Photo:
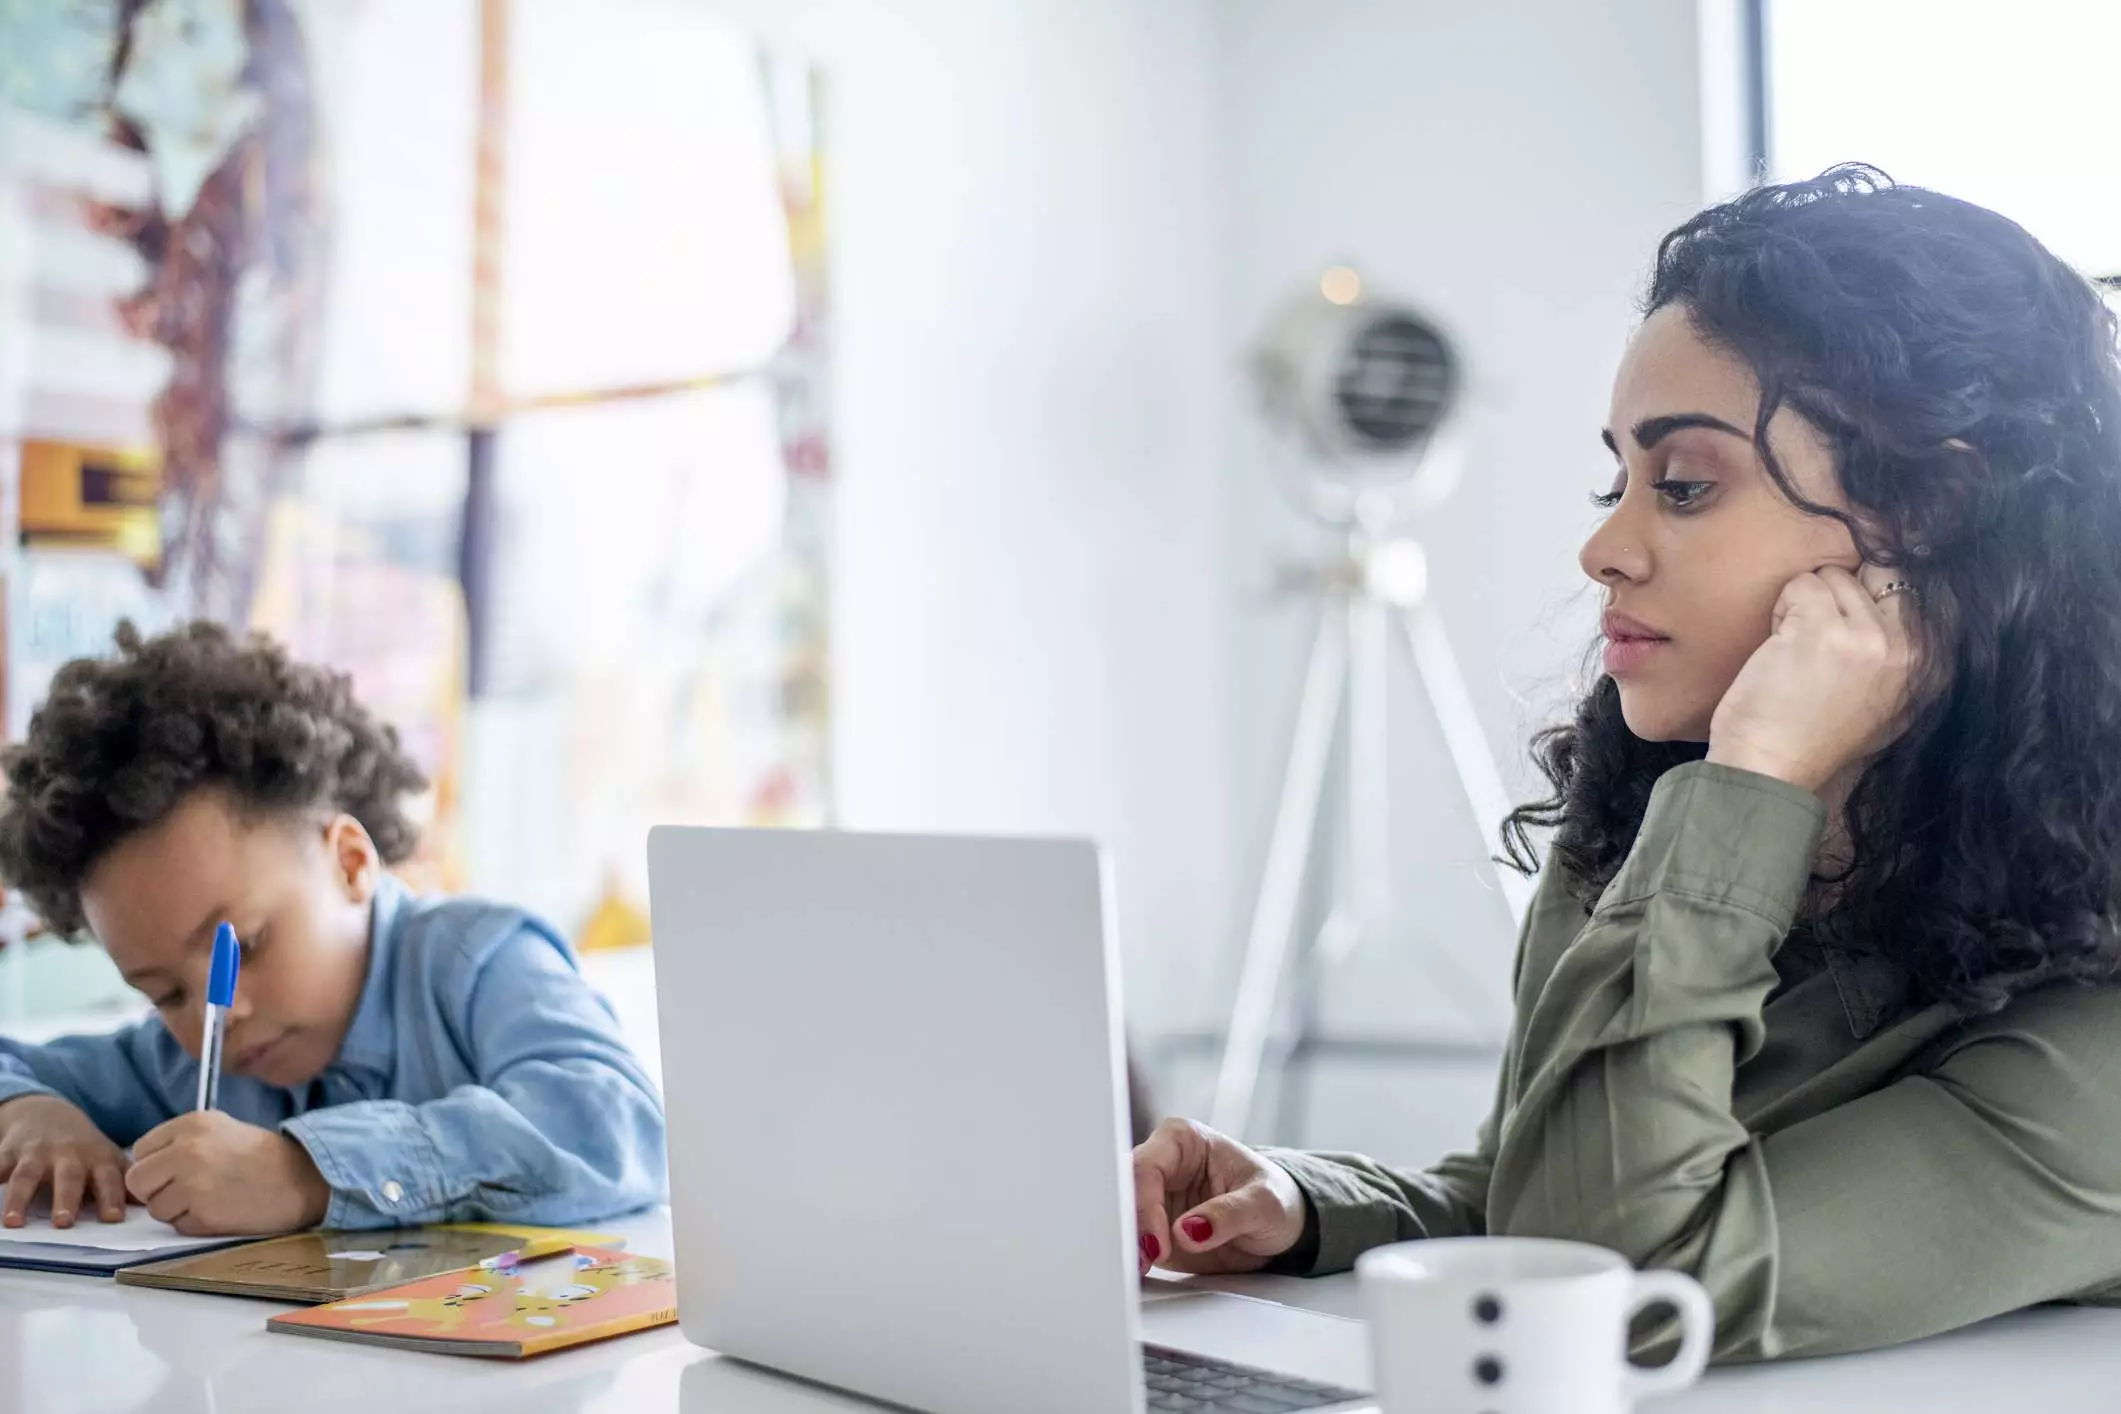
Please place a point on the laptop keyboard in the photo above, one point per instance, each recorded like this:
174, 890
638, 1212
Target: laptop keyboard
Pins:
1195, 1384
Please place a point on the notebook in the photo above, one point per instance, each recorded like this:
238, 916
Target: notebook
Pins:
504, 1309
97, 1248
306, 1268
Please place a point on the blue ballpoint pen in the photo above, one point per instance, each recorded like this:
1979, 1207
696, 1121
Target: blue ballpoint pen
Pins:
220, 994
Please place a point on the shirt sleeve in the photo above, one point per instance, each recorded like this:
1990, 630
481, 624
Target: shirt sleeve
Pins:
115, 1079
1353, 1203
1985, 1179
563, 1126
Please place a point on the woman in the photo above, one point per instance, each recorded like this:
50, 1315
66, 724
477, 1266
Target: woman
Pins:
1812, 1001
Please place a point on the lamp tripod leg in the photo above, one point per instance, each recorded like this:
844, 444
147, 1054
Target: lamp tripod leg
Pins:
1271, 936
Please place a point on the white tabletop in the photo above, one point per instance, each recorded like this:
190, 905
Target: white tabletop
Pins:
85, 1345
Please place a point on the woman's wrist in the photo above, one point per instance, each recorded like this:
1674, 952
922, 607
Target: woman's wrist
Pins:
1781, 768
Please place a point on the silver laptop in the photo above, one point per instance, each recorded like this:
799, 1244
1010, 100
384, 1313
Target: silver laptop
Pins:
899, 1161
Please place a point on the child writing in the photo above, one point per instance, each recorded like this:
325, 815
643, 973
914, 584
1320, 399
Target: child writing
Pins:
390, 1059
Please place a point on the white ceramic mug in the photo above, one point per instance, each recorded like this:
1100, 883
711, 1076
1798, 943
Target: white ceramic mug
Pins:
1520, 1325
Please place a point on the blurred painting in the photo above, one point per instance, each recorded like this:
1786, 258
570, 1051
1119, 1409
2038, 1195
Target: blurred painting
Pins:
479, 347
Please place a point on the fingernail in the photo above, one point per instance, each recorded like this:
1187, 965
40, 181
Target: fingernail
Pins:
1198, 1228
61, 1217
1151, 1248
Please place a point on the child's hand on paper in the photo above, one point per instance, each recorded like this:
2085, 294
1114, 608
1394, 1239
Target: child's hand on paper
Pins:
46, 1141
206, 1174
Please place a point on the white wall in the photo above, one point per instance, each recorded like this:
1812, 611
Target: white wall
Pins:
1057, 222
1029, 516
1508, 168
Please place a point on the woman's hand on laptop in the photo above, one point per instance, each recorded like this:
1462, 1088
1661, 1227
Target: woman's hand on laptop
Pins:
1206, 1203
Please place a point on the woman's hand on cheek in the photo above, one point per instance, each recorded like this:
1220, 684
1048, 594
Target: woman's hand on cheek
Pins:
207, 1174
1829, 688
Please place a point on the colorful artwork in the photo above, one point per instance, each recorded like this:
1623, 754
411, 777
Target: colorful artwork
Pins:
656, 630
478, 347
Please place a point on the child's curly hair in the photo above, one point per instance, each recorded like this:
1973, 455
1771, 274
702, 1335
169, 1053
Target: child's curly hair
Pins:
121, 740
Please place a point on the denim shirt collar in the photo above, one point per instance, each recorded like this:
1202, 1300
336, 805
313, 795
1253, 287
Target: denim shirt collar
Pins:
371, 1041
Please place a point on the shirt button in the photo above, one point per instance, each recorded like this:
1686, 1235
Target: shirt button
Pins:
393, 1191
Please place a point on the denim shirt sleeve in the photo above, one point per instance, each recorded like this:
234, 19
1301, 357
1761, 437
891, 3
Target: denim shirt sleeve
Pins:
563, 1126
114, 1079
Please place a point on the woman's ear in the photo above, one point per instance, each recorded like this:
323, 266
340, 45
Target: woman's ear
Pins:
356, 866
1961, 485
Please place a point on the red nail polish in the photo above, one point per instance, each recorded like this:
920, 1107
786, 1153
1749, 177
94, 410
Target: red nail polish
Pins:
1198, 1228
1151, 1248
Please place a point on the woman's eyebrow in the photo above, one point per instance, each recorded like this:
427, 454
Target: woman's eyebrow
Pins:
1653, 431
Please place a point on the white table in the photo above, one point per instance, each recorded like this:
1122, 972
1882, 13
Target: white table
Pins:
85, 1345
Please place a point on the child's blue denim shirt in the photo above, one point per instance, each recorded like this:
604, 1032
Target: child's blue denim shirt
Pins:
481, 1079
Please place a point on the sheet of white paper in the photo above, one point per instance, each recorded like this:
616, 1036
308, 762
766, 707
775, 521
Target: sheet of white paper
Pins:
138, 1233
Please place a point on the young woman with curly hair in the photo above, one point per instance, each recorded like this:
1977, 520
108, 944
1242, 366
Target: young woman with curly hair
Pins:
1815, 998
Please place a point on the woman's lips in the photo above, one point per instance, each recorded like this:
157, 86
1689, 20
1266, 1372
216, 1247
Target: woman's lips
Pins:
1629, 642
1626, 655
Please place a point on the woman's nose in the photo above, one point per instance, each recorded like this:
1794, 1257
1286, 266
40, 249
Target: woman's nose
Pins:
1613, 554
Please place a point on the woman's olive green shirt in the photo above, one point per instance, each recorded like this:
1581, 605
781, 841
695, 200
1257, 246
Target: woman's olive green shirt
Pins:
1840, 1168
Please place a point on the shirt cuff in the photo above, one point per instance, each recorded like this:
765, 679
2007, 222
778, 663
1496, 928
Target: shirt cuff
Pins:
1725, 835
1343, 1218
379, 1161
14, 1087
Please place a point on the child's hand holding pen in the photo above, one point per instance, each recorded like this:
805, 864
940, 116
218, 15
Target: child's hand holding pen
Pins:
207, 1174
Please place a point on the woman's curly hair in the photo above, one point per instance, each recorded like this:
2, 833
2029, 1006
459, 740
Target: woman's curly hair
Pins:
1967, 382
121, 740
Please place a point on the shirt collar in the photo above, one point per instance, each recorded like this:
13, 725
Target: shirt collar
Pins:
1873, 988
371, 1041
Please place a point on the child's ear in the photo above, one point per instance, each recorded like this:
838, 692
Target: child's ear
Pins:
353, 856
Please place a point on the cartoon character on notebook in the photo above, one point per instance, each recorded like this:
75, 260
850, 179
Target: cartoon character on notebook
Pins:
442, 1313
595, 1275
611, 1271
540, 1310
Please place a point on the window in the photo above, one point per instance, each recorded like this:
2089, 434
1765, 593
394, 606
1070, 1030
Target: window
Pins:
2009, 105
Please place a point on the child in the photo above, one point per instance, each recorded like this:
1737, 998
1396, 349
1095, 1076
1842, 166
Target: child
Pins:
391, 1060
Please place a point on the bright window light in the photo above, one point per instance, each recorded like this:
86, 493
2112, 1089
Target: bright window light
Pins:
2011, 106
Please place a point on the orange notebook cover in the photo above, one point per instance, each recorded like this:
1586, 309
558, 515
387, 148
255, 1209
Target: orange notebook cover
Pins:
504, 1309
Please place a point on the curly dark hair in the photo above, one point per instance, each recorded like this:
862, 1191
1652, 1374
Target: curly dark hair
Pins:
121, 740
1966, 380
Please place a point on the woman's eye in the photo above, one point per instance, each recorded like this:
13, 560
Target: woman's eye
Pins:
1605, 500
1681, 494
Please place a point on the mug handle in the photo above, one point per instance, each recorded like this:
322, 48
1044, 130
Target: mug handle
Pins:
1697, 1321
